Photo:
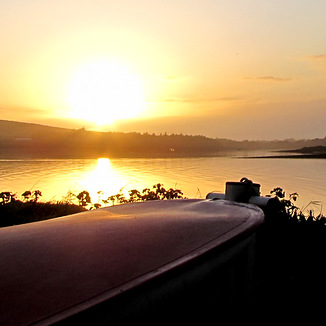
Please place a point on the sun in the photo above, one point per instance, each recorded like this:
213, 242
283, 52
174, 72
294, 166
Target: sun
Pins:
103, 92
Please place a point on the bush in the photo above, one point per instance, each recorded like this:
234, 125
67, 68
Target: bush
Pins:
157, 193
289, 212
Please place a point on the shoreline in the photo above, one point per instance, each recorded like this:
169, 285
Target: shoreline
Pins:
299, 156
231, 154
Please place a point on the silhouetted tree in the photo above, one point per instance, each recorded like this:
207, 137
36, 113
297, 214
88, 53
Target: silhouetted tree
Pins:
31, 196
157, 193
84, 198
36, 195
6, 197
27, 195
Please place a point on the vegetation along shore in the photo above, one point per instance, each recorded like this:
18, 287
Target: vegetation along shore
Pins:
29, 208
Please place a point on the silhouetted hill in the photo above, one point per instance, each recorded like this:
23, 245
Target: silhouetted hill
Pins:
27, 140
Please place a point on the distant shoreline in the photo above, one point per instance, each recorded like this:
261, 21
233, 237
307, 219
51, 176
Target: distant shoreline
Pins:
312, 152
115, 156
300, 156
160, 156
31, 141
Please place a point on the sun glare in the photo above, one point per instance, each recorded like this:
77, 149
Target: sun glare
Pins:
103, 92
103, 178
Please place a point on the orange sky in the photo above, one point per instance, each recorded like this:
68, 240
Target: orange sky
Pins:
246, 69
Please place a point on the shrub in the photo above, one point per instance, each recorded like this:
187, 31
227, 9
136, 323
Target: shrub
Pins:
157, 193
289, 212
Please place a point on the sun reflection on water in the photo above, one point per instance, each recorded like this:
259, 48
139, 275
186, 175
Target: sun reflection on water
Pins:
103, 179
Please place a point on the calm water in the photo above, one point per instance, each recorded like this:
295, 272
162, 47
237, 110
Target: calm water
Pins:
194, 176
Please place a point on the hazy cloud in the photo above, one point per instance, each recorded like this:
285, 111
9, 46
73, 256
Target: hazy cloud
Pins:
198, 100
259, 121
9, 112
318, 61
321, 57
269, 78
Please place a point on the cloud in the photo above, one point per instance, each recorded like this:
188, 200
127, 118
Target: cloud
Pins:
197, 100
269, 78
321, 57
13, 112
318, 61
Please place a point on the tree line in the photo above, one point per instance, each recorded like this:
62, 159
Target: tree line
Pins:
30, 140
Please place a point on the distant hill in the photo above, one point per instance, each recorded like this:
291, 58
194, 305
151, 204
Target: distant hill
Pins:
27, 140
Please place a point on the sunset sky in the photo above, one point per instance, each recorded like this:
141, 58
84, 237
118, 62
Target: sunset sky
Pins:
239, 69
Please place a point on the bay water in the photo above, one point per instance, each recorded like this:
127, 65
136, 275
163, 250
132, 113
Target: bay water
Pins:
194, 176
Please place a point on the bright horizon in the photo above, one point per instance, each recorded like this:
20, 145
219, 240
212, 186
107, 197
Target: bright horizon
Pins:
229, 69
